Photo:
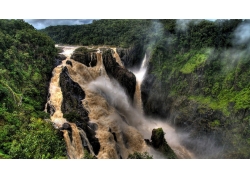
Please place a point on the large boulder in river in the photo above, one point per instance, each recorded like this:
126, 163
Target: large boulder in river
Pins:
159, 143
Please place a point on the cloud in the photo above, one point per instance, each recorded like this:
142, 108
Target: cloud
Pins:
43, 23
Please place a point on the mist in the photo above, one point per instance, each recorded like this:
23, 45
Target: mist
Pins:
242, 34
183, 24
115, 96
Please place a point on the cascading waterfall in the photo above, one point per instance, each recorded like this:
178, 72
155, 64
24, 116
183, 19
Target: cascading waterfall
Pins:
74, 146
170, 134
103, 114
56, 97
140, 74
121, 127
117, 57
86, 140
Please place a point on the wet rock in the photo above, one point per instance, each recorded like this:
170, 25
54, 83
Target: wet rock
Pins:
125, 78
72, 98
85, 56
159, 143
157, 137
69, 63
92, 126
131, 57
148, 142
113, 134
60, 57
66, 126
50, 109
74, 110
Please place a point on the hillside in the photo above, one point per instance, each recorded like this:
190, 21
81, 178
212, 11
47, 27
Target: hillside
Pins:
27, 58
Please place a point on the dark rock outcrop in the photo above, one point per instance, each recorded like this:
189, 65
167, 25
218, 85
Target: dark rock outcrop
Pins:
50, 109
126, 78
157, 137
74, 110
131, 57
84, 56
72, 96
59, 58
66, 126
69, 63
159, 143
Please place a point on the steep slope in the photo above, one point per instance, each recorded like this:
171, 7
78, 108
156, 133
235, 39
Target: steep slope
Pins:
198, 80
26, 61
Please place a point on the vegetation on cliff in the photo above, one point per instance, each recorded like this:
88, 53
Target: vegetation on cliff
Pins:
202, 69
27, 59
117, 32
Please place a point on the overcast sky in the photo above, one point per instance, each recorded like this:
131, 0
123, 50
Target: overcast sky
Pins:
43, 23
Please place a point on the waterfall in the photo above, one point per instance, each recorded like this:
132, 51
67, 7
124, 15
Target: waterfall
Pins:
121, 127
140, 74
56, 97
108, 119
55, 94
117, 57
84, 136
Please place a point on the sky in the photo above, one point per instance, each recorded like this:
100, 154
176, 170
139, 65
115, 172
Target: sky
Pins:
43, 23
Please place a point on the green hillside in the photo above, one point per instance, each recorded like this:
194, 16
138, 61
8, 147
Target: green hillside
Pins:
27, 59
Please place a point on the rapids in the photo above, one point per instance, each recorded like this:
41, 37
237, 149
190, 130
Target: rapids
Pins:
122, 127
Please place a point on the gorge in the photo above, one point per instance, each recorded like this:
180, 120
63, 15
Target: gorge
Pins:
118, 120
125, 89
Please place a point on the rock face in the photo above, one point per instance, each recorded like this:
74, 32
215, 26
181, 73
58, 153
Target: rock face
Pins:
59, 58
160, 143
157, 137
74, 110
126, 78
72, 96
131, 57
189, 116
85, 56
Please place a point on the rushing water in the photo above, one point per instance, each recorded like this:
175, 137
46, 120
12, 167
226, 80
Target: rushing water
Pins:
140, 74
109, 108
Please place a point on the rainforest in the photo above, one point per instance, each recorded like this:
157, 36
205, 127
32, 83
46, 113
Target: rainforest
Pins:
125, 89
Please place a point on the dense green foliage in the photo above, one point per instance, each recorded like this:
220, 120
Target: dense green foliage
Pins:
26, 62
204, 65
124, 33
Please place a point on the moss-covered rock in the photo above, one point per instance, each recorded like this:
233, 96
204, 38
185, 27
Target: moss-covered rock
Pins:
159, 143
